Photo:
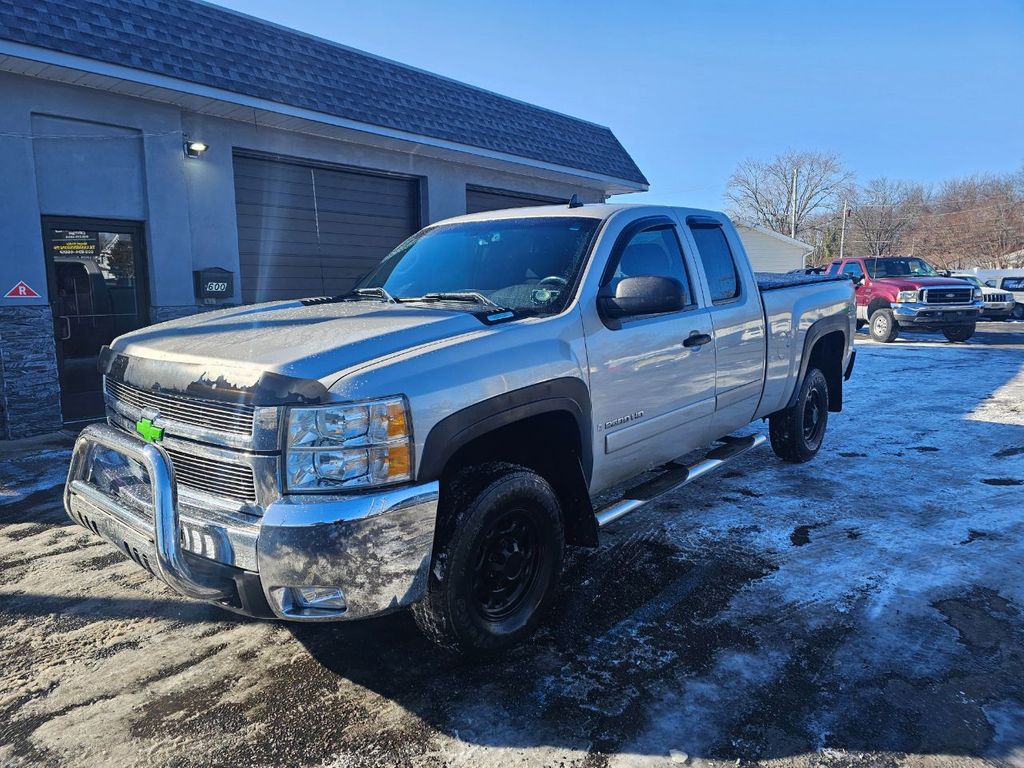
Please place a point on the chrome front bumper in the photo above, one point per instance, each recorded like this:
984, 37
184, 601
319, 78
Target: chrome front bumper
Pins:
911, 314
374, 548
998, 307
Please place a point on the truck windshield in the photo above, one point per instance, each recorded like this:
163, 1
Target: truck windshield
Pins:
528, 265
899, 267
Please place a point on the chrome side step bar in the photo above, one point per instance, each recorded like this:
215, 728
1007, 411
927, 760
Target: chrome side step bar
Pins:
677, 475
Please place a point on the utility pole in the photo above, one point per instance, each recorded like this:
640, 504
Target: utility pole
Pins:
842, 232
792, 208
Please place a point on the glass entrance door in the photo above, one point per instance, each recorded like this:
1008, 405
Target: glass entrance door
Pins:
96, 274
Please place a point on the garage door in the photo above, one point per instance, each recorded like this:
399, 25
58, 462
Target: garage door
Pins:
306, 230
483, 199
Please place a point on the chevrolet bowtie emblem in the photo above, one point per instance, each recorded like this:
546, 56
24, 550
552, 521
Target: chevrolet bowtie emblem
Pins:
149, 433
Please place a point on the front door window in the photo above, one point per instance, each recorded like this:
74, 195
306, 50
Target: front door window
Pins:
96, 294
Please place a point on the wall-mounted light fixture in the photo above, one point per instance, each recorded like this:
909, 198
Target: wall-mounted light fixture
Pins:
194, 148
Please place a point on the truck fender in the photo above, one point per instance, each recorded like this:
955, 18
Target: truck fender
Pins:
568, 396
878, 302
459, 428
818, 330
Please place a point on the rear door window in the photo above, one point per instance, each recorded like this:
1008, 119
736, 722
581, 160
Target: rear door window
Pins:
719, 264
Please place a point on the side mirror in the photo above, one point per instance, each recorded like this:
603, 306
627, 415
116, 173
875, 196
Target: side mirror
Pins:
945, 273
642, 295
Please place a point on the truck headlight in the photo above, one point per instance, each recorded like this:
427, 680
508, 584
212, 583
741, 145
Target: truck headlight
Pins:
906, 297
350, 445
978, 293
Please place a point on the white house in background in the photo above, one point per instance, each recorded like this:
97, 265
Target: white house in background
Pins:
772, 252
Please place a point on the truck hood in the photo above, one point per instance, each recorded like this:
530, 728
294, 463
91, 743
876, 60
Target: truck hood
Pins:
910, 283
316, 341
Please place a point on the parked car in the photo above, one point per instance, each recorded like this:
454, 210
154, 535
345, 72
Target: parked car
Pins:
1011, 280
905, 293
996, 304
437, 436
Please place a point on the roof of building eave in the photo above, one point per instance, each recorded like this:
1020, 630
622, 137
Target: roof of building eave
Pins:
207, 46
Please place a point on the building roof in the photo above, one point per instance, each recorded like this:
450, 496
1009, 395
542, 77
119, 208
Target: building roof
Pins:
215, 47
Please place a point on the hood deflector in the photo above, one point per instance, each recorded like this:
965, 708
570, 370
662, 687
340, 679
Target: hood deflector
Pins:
266, 389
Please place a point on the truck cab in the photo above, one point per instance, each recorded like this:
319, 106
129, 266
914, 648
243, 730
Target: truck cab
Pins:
906, 293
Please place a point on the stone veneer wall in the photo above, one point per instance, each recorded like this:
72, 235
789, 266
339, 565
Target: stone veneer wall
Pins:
29, 380
29, 385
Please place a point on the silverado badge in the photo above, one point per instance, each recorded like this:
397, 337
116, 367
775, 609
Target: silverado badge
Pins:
149, 433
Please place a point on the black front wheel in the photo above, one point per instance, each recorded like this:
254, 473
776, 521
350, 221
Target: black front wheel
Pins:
959, 332
797, 433
497, 559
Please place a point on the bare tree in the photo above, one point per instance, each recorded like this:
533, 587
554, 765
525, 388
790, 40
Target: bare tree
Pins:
762, 192
973, 222
883, 212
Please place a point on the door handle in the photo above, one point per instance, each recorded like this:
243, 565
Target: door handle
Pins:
697, 340
66, 330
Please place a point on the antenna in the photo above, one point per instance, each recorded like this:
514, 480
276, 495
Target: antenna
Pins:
574, 201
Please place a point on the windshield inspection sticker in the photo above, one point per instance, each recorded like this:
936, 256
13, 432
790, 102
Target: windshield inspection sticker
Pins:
21, 291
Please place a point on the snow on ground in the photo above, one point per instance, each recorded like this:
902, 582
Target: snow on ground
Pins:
863, 609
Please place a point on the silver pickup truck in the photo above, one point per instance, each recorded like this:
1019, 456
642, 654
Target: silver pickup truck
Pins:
436, 437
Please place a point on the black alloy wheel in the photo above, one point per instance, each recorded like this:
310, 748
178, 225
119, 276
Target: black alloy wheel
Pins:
506, 565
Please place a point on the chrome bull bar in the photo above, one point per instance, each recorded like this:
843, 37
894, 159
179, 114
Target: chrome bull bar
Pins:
171, 565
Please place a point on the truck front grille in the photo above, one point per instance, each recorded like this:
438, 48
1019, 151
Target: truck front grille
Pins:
950, 295
234, 418
220, 478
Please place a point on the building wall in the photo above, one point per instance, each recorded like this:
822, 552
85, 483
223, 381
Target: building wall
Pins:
86, 153
770, 254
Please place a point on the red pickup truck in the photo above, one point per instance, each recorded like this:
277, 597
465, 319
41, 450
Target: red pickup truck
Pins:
905, 293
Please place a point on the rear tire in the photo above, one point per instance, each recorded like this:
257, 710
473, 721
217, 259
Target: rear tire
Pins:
497, 560
959, 332
884, 327
1017, 313
798, 432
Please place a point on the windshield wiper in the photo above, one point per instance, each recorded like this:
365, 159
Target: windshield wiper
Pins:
374, 293
473, 296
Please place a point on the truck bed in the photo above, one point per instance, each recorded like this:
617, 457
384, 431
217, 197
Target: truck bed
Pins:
771, 281
787, 315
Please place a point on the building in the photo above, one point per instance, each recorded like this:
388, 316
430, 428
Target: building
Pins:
772, 252
147, 140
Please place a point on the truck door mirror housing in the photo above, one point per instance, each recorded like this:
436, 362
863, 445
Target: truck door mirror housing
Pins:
641, 295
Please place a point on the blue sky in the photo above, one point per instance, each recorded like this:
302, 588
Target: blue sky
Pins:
919, 91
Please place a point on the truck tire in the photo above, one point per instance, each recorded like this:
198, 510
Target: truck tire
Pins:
861, 324
497, 560
884, 327
797, 433
959, 332
1017, 313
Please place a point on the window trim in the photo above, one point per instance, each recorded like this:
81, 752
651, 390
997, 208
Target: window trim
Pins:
706, 222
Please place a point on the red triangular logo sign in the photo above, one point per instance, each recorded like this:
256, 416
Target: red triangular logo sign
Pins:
21, 291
